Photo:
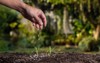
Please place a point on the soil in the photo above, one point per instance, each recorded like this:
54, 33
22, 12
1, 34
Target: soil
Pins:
49, 58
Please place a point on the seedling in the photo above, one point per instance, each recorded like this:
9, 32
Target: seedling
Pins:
50, 51
37, 50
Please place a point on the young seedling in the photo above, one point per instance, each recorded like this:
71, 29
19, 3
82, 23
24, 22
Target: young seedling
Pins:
37, 51
50, 51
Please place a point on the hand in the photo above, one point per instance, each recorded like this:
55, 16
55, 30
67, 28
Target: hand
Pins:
35, 15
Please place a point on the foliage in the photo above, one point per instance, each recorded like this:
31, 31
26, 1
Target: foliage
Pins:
6, 17
88, 44
4, 45
85, 16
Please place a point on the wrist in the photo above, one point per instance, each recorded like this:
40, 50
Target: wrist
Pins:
21, 7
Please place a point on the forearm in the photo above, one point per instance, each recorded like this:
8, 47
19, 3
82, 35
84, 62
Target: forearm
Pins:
35, 15
14, 4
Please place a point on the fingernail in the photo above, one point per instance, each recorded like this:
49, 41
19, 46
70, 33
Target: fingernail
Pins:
41, 27
41, 24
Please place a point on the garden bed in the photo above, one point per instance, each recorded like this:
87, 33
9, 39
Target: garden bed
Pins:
49, 58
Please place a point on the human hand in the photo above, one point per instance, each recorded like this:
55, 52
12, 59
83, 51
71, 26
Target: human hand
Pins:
35, 15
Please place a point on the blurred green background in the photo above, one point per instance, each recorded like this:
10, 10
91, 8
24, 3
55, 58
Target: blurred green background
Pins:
73, 26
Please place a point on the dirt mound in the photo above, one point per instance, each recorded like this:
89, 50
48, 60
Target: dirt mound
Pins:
47, 58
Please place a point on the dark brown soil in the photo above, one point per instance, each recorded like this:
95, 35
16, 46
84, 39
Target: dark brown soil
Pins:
46, 58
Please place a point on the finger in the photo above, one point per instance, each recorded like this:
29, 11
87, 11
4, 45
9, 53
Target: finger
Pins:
37, 26
33, 24
38, 20
42, 16
41, 27
32, 20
